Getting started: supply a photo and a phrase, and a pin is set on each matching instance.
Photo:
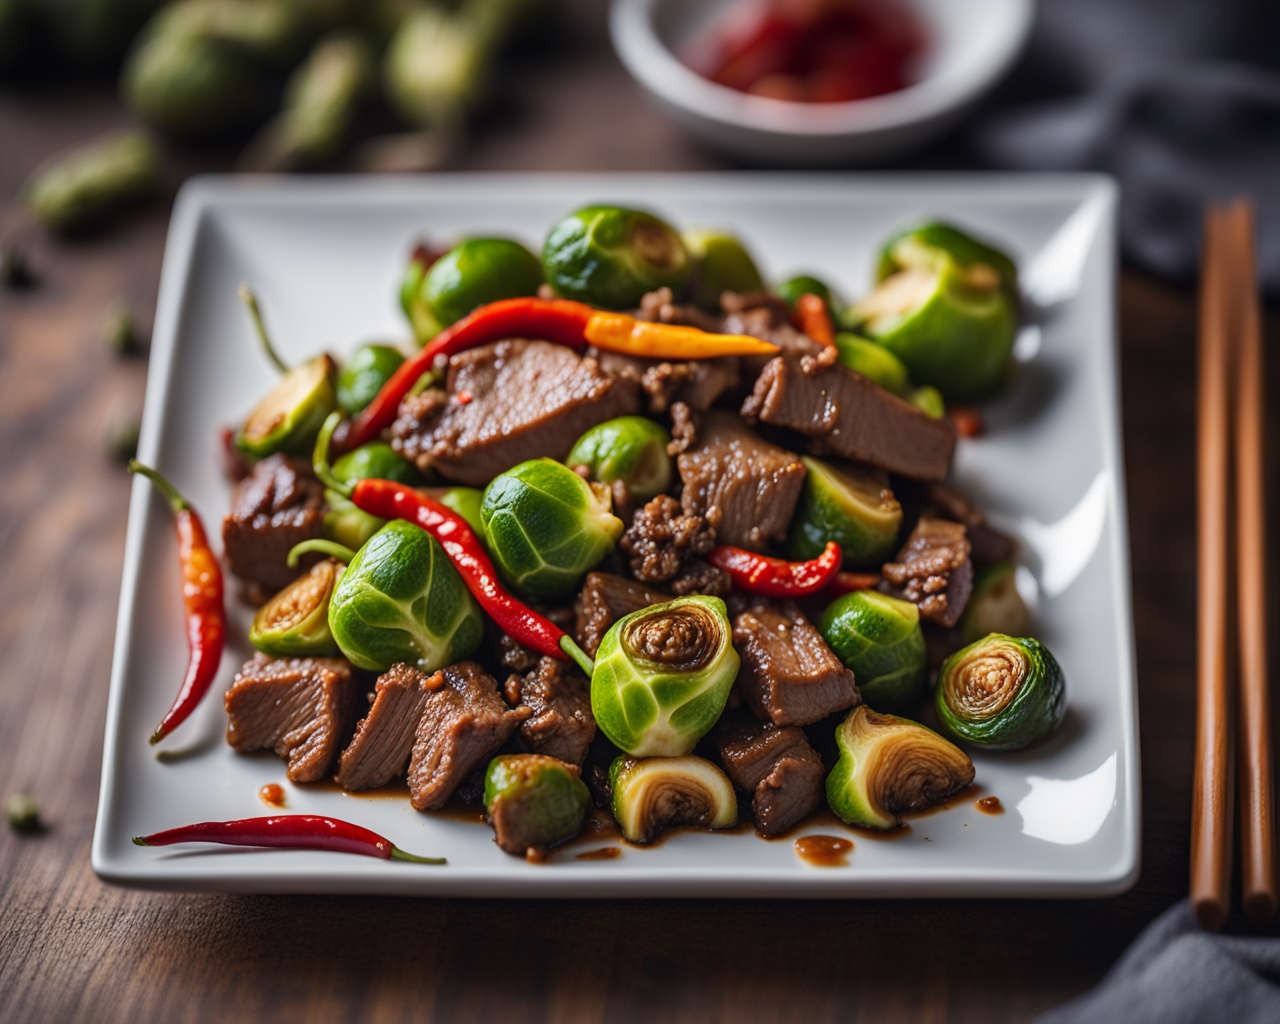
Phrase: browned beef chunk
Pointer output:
(845, 414)
(562, 724)
(604, 600)
(789, 675)
(765, 316)
(298, 707)
(697, 383)
(508, 402)
(778, 768)
(933, 571)
(684, 429)
(988, 545)
(664, 544)
(278, 505)
(463, 722)
(380, 749)
(754, 484)
(515, 655)
(658, 306)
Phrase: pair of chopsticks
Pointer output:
(1232, 706)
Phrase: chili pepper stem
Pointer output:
(329, 547)
(176, 501)
(413, 858)
(320, 457)
(255, 314)
(570, 648)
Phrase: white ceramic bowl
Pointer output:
(973, 43)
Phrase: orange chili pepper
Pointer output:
(814, 319)
(618, 332)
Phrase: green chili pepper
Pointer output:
(632, 449)
(721, 263)
(880, 639)
(995, 605)
(851, 505)
(295, 623)
(80, 188)
(477, 272)
(533, 801)
(611, 257)
(370, 367)
(652, 794)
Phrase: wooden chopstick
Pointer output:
(1212, 784)
(1257, 862)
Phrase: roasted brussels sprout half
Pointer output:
(791, 290)
(88, 184)
(1001, 692)
(721, 264)
(652, 794)
(533, 801)
(477, 272)
(890, 766)
(547, 527)
(290, 418)
(880, 639)
(632, 449)
(851, 505)
(401, 599)
(295, 623)
(663, 674)
(362, 378)
(945, 306)
(995, 606)
(611, 257)
(875, 362)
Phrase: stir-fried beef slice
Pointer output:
(278, 505)
(298, 707)
(509, 402)
(933, 571)
(664, 544)
(605, 599)
(778, 768)
(844, 414)
(754, 484)
(383, 742)
(463, 722)
(765, 316)
(697, 383)
(987, 544)
(562, 724)
(789, 676)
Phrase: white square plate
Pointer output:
(326, 255)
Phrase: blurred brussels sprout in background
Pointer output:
(662, 676)
(479, 271)
(611, 257)
(362, 378)
(77, 190)
(791, 290)
(295, 623)
(434, 68)
(875, 362)
(652, 794)
(533, 801)
(851, 505)
(547, 528)
(996, 606)
(401, 599)
(632, 449)
(721, 263)
(921, 245)
(880, 639)
(928, 400)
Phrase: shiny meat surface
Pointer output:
(604, 600)
(383, 742)
(933, 571)
(561, 724)
(777, 768)
(697, 383)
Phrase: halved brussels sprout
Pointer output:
(875, 362)
(463, 500)
(289, 418)
(533, 801)
(929, 401)
(547, 527)
(477, 272)
(879, 637)
(652, 794)
(362, 378)
(851, 505)
(632, 449)
(295, 623)
(791, 290)
(663, 674)
(401, 599)
(1002, 692)
(721, 263)
(611, 257)
(890, 766)
(995, 606)
(966, 250)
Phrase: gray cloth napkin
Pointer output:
(1179, 99)
(1177, 974)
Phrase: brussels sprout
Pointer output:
(434, 68)
(465, 501)
(1001, 692)
(611, 257)
(851, 505)
(362, 378)
(412, 299)
(479, 271)
(376, 460)
(547, 527)
(879, 637)
(721, 264)
(890, 766)
(995, 606)
(791, 290)
(946, 307)
(655, 793)
(85, 185)
(632, 449)
(663, 674)
(402, 600)
(289, 418)
(533, 801)
(875, 362)
(929, 401)
(295, 623)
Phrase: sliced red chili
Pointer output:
(776, 577)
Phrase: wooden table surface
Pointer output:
(73, 948)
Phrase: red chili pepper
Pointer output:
(813, 318)
(968, 421)
(202, 595)
(776, 577)
(291, 831)
(848, 582)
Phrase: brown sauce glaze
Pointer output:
(273, 794)
(954, 800)
(989, 805)
(824, 851)
(603, 853)
(454, 811)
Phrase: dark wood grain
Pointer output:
(72, 948)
